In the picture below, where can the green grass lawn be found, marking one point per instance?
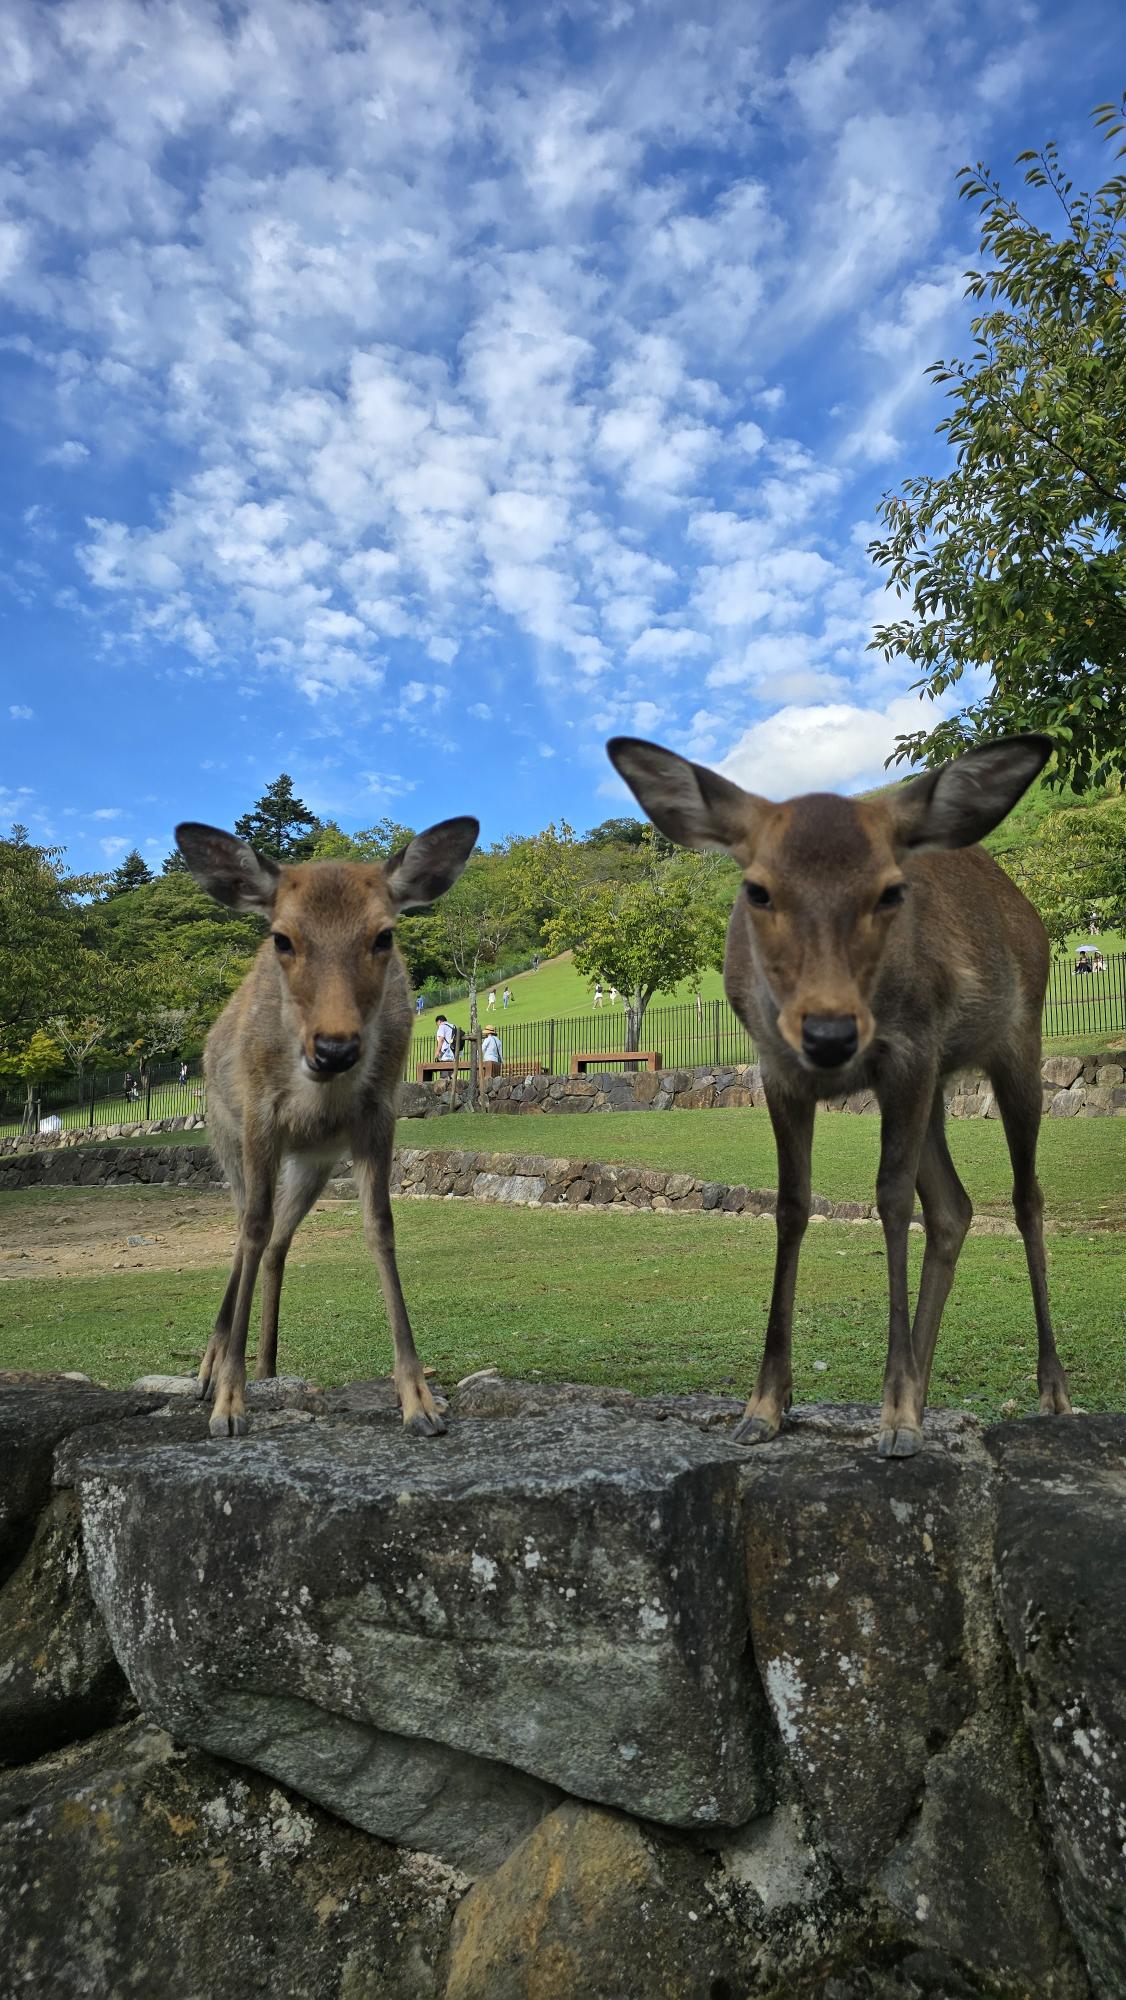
(648, 1301)
(1082, 1161)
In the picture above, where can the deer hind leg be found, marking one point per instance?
(299, 1185)
(1018, 1093)
(906, 1104)
(420, 1411)
(792, 1120)
(947, 1213)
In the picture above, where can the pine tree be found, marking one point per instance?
(132, 873)
(280, 824)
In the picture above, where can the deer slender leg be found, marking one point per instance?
(1018, 1092)
(373, 1172)
(228, 1417)
(218, 1341)
(792, 1120)
(905, 1103)
(299, 1184)
(947, 1212)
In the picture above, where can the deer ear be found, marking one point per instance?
(963, 801)
(432, 862)
(228, 868)
(690, 804)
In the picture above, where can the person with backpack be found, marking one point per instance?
(443, 1039)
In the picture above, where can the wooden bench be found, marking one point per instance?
(601, 1058)
(425, 1071)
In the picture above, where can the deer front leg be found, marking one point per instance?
(905, 1103)
(228, 1416)
(420, 1411)
(220, 1333)
(792, 1120)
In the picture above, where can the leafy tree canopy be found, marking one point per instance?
(1015, 561)
(1075, 871)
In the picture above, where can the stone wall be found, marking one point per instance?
(1084, 1086)
(92, 1135)
(1090, 1087)
(110, 1166)
(582, 1700)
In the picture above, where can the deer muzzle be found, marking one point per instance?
(829, 1040)
(334, 1053)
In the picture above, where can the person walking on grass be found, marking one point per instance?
(492, 998)
(597, 1001)
(613, 996)
(506, 998)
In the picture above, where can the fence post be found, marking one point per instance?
(148, 1096)
(715, 1024)
(551, 1047)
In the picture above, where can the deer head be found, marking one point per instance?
(825, 878)
(332, 924)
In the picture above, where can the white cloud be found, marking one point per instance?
(107, 812)
(832, 746)
(19, 712)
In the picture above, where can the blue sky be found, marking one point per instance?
(408, 398)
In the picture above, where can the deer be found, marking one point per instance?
(306, 1059)
(874, 945)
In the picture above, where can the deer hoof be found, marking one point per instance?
(426, 1426)
(203, 1390)
(222, 1427)
(754, 1430)
(899, 1443)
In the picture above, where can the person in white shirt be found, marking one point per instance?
(490, 1047)
(492, 997)
(443, 1040)
(597, 1001)
(613, 996)
(505, 998)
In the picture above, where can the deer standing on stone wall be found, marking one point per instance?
(873, 946)
(305, 1059)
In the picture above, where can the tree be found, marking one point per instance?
(373, 843)
(280, 824)
(131, 873)
(35, 1063)
(41, 962)
(1075, 870)
(643, 934)
(1015, 561)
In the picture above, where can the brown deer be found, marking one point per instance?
(304, 1060)
(873, 946)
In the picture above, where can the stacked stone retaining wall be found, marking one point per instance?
(583, 1699)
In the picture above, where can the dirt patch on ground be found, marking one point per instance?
(84, 1232)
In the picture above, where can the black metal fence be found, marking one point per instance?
(169, 1089)
(1087, 1003)
(689, 1037)
(685, 1038)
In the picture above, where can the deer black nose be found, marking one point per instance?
(829, 1039)
(335, 1052)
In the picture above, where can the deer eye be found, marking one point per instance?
(282, 945)
(384, 941)
(757, 894)
(892, 896)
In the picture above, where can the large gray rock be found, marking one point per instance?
(58, 1676)
(563, 1594)
(973, 1878)
(857, 1618)
(1060, 1569)
(130, 1869)
(468, 1810)
(33, 1421)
